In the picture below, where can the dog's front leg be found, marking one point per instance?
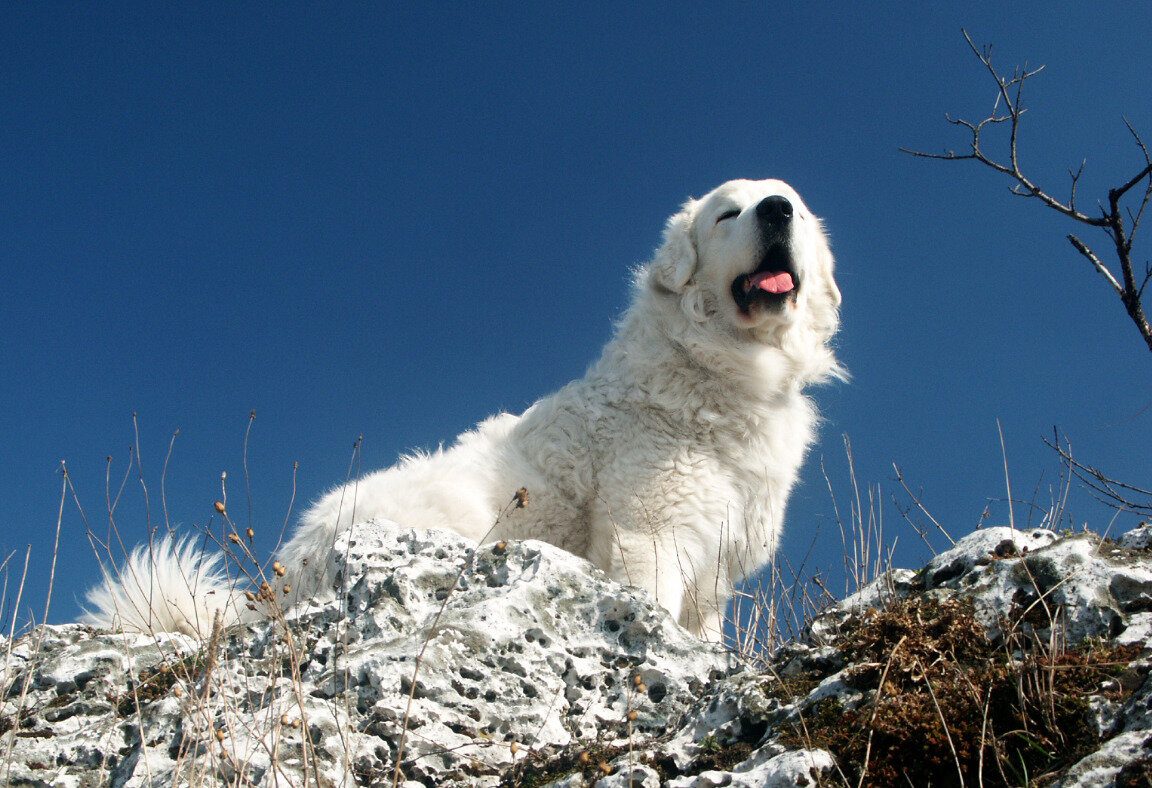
(704, 616)
(650, 562)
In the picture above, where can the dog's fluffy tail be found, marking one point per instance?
(168, 586)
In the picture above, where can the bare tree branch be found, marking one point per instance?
(1147, 190)
(1010, 94)
(1103, 269)
(1075, 181)
(1116, 494)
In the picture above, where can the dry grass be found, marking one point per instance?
(773, 607)
(187, 671)
(946, 706)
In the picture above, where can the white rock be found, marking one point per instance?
(526, 645)
(1101, 767)
(786, 770)
(533, 646)
(1139, 538)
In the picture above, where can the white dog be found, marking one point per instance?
(668, 465)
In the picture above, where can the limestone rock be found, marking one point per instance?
(534, 648)
(518, 663)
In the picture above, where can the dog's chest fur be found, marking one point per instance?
(606, 447)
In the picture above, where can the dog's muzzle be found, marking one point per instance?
(774, 278)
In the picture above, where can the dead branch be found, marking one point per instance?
(1008, 108)
(1113, 493)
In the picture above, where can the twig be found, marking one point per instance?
(519, 500)
(1109, 491)
(1111, 219)
(943, 723)
(919, 505)
(1007, 477)
(876, 708)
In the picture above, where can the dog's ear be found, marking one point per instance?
(826, 266)
(675, 260)
(824, 309)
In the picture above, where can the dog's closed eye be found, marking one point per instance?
(728, 215)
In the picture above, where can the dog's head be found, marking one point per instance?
(751, 259)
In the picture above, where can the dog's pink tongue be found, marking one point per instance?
(779, 282)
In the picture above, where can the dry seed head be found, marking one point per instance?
(584, 758)
(233, 538)
(219, 506)
(522, 498)
(500, 546)
(249, 596)
(249, 533)
(641, 687)
(637, 680)
(604, 767)
(279, 569)
(632, 715)
(219, 735)
(287, 588)
(513, 747)
(284, 720)
(177, 691)
(296, 723)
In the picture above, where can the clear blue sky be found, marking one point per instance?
(392, 220)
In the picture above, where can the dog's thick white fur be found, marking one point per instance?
(668, 465)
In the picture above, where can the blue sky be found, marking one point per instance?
(391, 220)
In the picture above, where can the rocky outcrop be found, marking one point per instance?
(519, 664)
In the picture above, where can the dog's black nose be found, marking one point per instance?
(774, 211)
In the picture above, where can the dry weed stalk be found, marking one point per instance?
(243, 567)
(1110, 492)
(39, 631)
(519, 500)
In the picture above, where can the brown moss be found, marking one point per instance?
(591, 761)
(1137, 774)
(536, 769)
(789, 690)
(722, 757)
(154, 683)
(948, 707)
